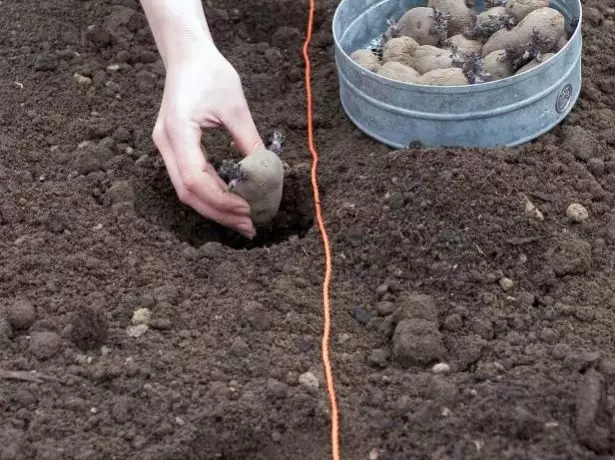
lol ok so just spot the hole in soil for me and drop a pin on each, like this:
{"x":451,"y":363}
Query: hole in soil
{"x":156,"y":202}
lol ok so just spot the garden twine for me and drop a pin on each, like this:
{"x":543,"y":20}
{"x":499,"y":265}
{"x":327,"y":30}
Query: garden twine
{"x":325,"y":239}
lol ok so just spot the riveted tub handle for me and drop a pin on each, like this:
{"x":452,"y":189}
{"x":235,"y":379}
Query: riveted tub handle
{"x":563,"y":98}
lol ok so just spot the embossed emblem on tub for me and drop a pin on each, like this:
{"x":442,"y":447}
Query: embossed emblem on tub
{"x":563,"y":98}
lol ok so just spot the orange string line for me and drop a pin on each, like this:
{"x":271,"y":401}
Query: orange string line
{"x":327,"y":246}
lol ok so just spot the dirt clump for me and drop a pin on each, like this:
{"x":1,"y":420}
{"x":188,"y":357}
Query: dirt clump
{"x":45,"y":345}
{"x":20,"y":313}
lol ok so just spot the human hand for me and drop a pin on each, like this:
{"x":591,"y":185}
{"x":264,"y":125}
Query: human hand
{"x":203,"y":90}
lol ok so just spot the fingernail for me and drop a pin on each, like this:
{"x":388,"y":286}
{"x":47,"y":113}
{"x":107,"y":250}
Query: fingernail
{"x":247,"y":230}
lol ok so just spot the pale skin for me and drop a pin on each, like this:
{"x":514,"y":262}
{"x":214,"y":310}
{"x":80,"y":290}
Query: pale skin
{"x":202,"y":90}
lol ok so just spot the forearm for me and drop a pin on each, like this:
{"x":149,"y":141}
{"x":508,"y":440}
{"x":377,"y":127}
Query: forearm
{"x":179,"y":28}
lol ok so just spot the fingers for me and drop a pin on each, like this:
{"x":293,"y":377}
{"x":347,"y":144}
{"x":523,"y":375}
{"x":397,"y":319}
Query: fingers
{"x":209,"y":169}
{"x":242,"y":224}
{"x":240,"y":125}
{"x":196,"y":182}
{"x":186,"y":145}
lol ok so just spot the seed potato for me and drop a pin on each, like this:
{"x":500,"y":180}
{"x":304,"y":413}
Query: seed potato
{"x":444,"y":77}
{"x":462,"y":17}
{"x":400,"y":49}
{"x":427,"y":58}
{"x":508,"y":38}
{"x":498,"y":65}
{"x":366,"y":59}
{"x":548,"y":22}
{"x":464,"y":45}
{"x":262,"y":186}
{"x":521,"y":8}
{"x":489,"y":22}
{"x":398,"y":71}
{"x":418,"y":23}
{"x":492,"y":15}
{"x":534,"y":63}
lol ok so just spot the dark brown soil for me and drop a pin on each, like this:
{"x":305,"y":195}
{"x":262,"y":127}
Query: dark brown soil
{"x":421,"y":241}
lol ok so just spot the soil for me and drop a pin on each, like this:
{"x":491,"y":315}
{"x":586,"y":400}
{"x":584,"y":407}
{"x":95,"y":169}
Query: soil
{"x":435,"y":263}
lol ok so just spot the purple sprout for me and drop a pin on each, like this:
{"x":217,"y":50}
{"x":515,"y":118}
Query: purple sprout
{"x":457,"y":58}
{"x":276,"y":141}
{"x":377,"y":44}
{"x":487,"y":28}
{"x":473,"y":66}
{"x":509,"y":22}
{"x":232,"y":173}
{"x":474,"y":69}
{"x":393,"y":31}
{"x":440,"y":24}
{"x":534,"y":49}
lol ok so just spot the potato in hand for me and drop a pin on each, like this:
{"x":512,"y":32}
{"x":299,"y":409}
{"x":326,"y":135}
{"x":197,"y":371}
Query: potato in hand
{"x":259,"y":179}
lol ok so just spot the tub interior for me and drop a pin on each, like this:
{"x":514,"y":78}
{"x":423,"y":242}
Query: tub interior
{"x":358,"y":22}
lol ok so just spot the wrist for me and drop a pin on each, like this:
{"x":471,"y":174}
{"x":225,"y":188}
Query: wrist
{"x":179,"y":28}
{"x":182,"y":51}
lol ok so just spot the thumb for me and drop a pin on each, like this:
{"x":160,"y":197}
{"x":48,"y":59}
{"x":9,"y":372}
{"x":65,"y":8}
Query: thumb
{"x":243,"y":130}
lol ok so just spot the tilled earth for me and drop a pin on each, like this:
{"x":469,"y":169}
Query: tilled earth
{"x":436,"y":261}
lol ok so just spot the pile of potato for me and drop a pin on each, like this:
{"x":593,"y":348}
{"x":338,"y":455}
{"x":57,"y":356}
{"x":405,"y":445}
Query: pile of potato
{"x":447,"y":43}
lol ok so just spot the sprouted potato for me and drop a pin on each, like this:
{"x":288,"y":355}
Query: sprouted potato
{"x":489,"y":22}
{"x":423,"y":24}
{"x":259,"y":179}
{"x":462,"y":16}
{"x":561,"y":43}
{"x":400,"y":49}
{"x":452,"y":76}
{"x":534,"y":63}
{"x":366,"y":59}
{"x":464,"y":45}
{"x":521,"y":8}
{"x":427,"y":58}
{"x":498,"y":65}
{"x":399,"y":72}
{"x":548,"y":23}
{"x":490,"y":46}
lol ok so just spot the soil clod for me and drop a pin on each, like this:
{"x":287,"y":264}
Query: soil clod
{"x":417,"y":342}
{"x":593,"y":422}
{"x":21,"y":313}
{"x":45,"y":345}
{"x":577,"y":213}
{"x":309,"y":381}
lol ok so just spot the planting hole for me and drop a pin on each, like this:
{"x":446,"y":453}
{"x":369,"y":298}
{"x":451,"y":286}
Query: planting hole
{"x":156,"y":202}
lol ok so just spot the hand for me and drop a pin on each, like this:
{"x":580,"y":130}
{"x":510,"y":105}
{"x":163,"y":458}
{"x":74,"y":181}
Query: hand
{"x":203,"y":90}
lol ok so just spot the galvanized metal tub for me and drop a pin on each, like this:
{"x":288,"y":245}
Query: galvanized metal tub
{"x":506,"y":112}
